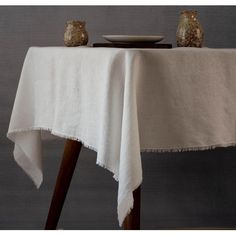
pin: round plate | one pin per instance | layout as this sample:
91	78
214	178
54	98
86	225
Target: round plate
133	38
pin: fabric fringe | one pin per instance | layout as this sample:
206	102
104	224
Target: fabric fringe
122	208
188	149
55	133
62	135
73	138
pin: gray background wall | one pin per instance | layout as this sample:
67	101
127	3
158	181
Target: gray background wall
192	189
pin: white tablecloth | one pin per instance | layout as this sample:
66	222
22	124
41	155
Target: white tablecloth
119	102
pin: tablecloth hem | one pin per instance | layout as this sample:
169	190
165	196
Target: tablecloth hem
53	132
62	135
11	133
66	136
189	149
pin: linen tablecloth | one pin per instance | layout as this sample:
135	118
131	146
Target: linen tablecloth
120	102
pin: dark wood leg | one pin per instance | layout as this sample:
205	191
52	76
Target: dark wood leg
69	160
132	221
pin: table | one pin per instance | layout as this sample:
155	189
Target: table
120	102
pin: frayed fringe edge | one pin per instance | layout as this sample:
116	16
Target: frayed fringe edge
115	176
188	149
53	132
62	135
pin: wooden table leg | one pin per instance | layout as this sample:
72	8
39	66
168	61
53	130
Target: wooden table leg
69	160
132	221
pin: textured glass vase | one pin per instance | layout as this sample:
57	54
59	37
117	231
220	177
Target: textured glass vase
75	34
189	32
